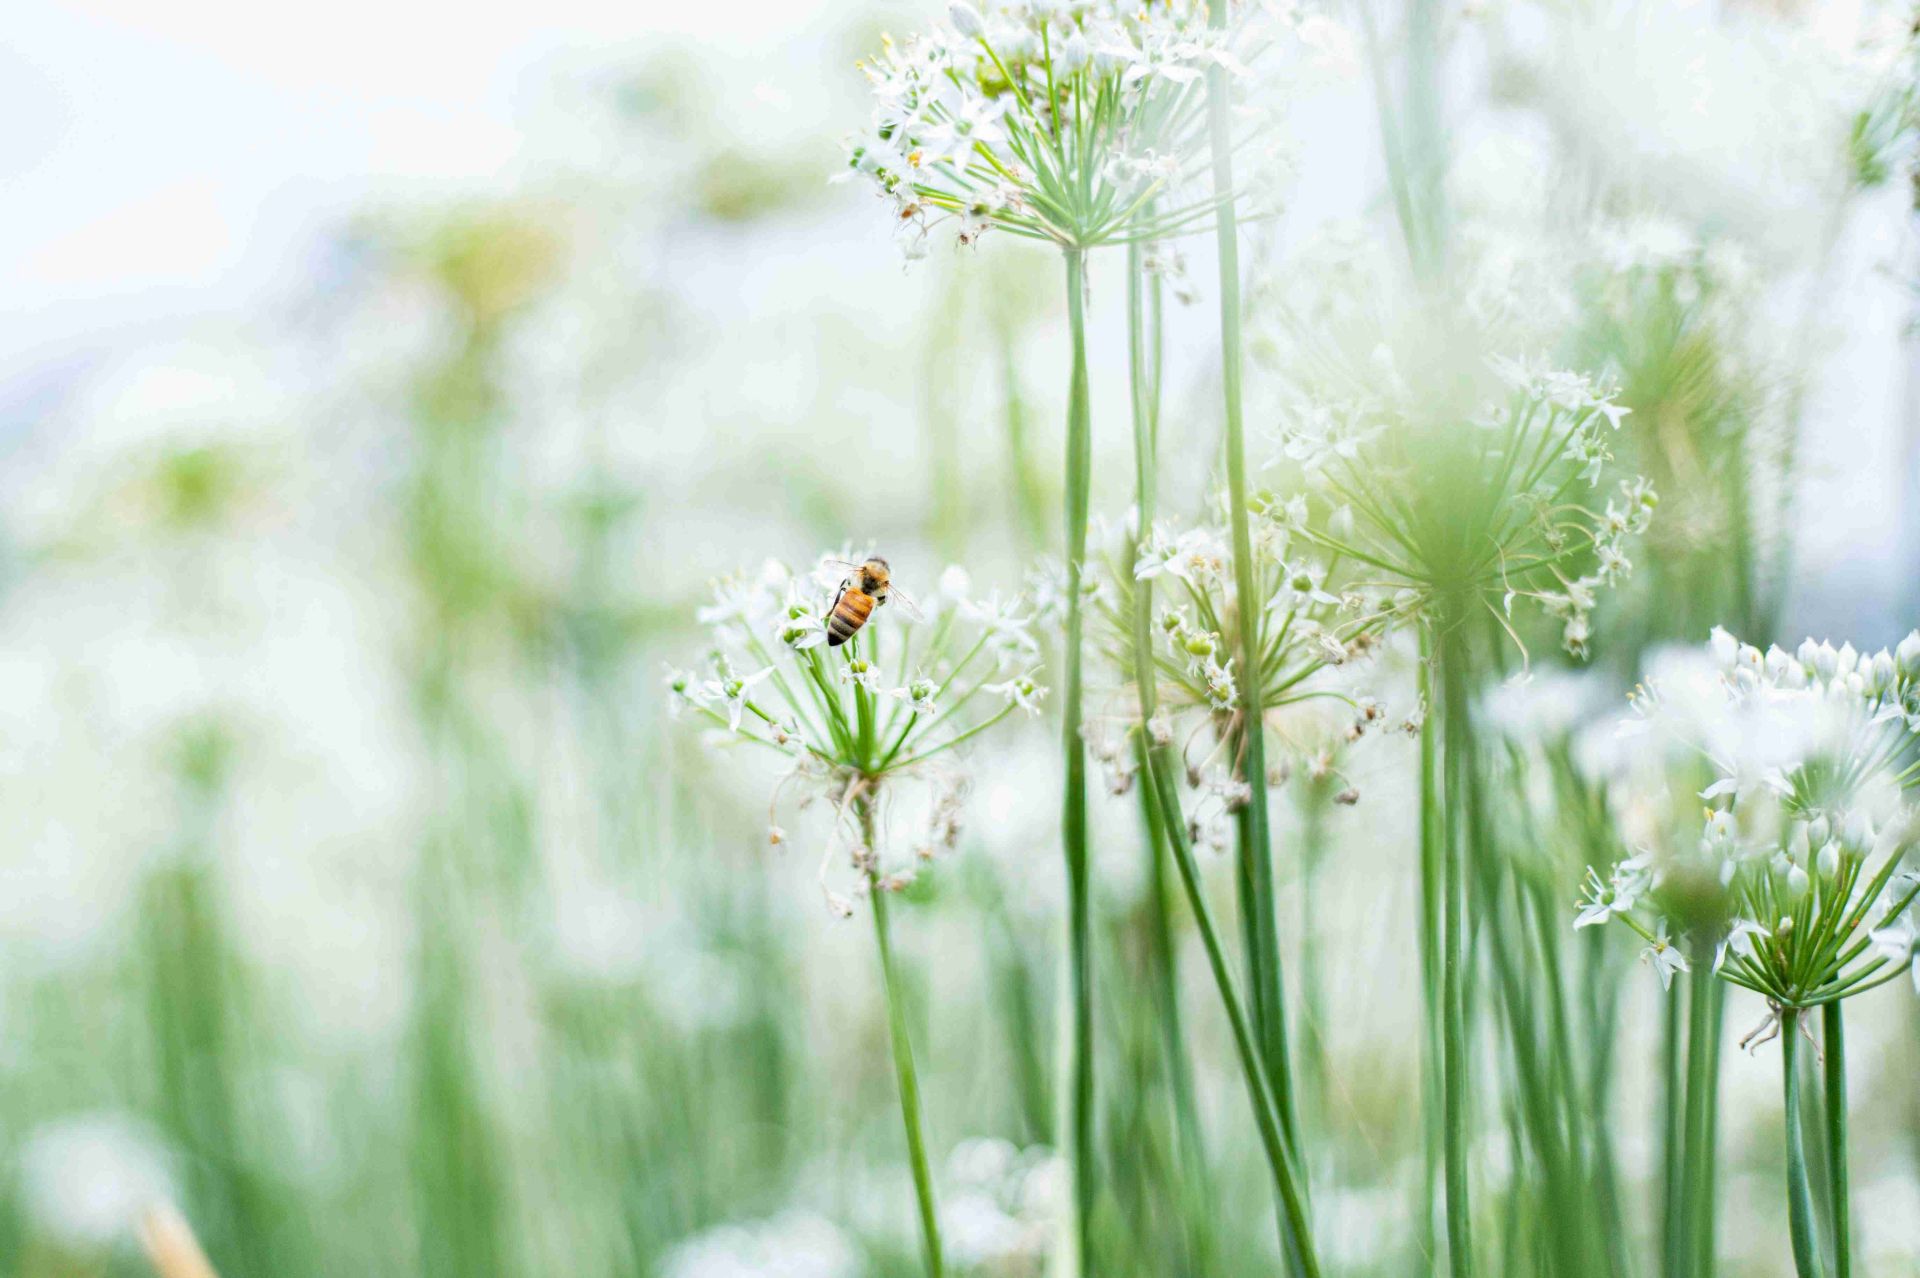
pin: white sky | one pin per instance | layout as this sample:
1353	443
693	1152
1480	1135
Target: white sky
162	159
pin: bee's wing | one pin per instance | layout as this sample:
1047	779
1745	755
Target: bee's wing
894	593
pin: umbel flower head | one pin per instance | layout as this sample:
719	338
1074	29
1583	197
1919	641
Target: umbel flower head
1503	505
1082	122
1311	622
1805	824
888	705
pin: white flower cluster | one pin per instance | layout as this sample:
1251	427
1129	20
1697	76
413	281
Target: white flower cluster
1053	119
898	695
1401	486
1807	755
1002	1205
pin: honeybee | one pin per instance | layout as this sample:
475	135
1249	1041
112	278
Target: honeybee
867	587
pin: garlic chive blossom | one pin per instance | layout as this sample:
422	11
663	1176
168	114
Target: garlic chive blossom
884	708
1479	513
856	718
1083	124
1806	825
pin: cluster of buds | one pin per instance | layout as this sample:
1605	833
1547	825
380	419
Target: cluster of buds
1805	828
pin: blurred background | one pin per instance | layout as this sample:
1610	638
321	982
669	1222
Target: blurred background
384	386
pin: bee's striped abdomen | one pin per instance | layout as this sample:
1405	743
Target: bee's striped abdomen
848	615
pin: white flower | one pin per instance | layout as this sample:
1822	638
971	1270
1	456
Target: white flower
1001	623
918	695
1665	957
1738	940
1021	691
803	628
1194	556
733	691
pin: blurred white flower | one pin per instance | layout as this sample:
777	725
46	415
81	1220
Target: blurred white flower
88	1178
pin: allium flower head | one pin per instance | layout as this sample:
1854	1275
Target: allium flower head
882	708
1473	515
1310	624
1804	827
1081	123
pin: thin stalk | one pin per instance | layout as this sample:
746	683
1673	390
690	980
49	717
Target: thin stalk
1272	1142
1673	1145
1263	949
1702	1096
1456	741
1806	1250
1073	820
1158	779
1143	361
1834	1036
1705	1232
903	1069
1430	933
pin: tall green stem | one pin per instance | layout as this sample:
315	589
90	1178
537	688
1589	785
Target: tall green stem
1806	1251
1073	819
1430	937
1456	741
903	1069
1836	1097
1696	1205
1255	840
1143	358
1159	781
1286	1179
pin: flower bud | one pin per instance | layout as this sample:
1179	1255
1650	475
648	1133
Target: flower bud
965	19
1880	672
1798	842
1858	831
1828	862
1846	659
1797	881
1076	52
1807	653
1724	647
1907	655
1819	830
1826	662
1778	663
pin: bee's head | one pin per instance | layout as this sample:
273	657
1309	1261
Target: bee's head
874	573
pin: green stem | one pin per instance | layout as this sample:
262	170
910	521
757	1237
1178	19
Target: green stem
1673	1110
1256	848
1143	358
1286	1180
1806	1251
1456	742
903	1058
1159	779
1836	1098
1696	1213
1073	821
